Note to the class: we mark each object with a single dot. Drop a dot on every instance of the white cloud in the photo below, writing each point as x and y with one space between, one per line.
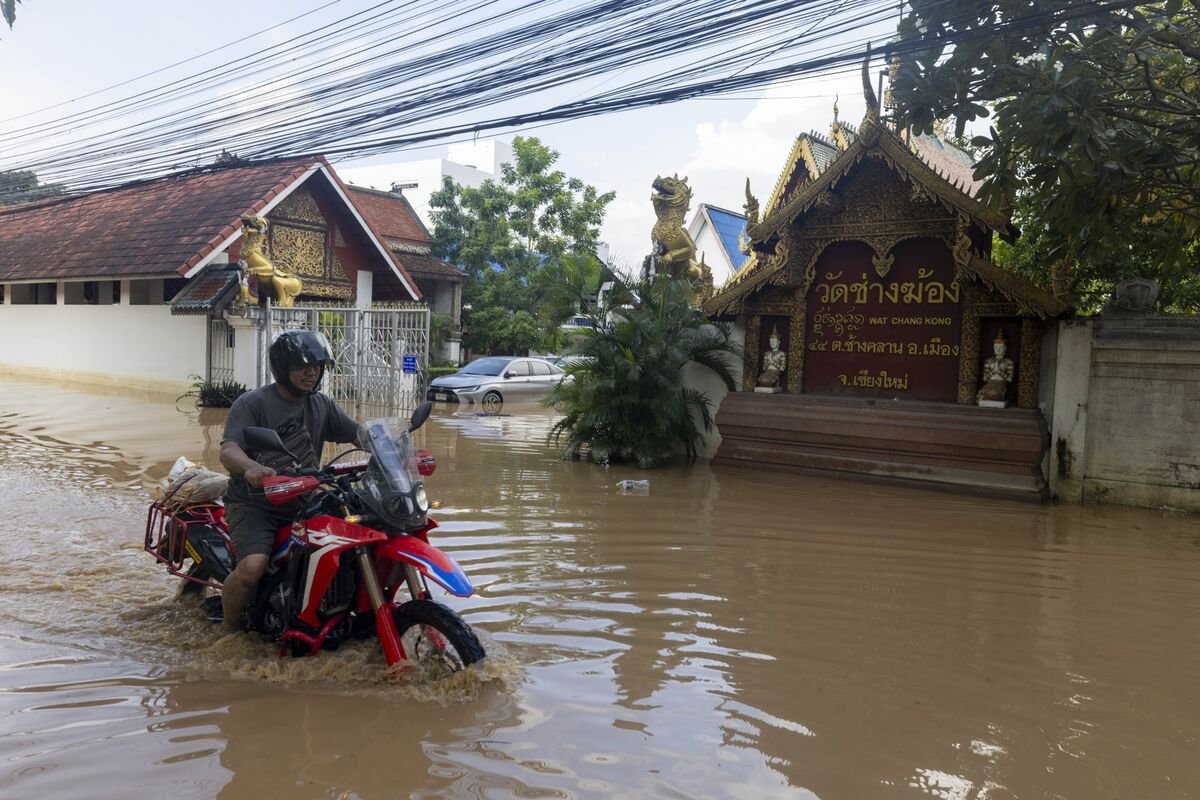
722 153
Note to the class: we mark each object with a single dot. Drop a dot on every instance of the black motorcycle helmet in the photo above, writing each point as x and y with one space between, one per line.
297 348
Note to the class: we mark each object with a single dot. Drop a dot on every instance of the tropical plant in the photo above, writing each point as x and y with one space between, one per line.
9 9
569 287
628 401
214 394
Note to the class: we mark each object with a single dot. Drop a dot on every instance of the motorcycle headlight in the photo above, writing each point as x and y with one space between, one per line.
422 500
400 506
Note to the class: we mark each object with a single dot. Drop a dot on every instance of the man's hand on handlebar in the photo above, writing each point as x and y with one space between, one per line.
255 473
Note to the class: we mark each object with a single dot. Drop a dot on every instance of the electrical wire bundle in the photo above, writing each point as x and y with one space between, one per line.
397 75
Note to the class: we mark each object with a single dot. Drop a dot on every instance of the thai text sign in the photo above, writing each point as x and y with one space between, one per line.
895 335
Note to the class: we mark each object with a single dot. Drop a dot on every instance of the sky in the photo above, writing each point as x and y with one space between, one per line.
57 52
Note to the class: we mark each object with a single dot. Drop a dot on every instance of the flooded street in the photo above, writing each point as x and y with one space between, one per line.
735 633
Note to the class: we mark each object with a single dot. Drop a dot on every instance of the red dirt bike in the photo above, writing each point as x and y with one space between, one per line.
355 562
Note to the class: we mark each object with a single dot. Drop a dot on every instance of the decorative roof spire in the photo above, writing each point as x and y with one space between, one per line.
751 206
868 91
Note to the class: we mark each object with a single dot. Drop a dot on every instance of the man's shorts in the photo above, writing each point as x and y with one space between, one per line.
253 529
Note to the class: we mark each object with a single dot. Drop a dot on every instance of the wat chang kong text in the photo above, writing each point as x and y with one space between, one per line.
895 335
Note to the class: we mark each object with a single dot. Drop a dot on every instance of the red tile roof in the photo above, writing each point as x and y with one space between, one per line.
164 226
423 265
390 214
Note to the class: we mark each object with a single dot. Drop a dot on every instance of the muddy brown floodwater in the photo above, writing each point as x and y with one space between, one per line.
735 633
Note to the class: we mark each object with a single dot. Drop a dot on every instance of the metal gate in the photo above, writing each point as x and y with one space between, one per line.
381 353
220 351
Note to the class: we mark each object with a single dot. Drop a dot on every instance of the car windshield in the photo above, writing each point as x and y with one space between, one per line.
485 366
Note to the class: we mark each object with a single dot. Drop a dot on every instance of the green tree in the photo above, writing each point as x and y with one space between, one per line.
627 400
508 234
1091 278
1094 125
23 186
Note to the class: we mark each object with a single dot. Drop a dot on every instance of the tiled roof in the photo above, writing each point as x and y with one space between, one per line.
207 293
824 153
389 213
164 226
729 226
947 160
953 164
423 265
393 217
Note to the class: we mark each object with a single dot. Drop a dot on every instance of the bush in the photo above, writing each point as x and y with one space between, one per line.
437 372
214 394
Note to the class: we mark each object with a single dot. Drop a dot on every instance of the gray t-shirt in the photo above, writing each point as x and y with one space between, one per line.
304 426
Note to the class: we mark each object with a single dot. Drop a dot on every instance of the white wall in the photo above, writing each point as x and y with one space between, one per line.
136 346
708 244
427 174
485 155
703 379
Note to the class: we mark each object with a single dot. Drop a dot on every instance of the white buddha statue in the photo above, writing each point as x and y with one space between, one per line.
774 363
997 374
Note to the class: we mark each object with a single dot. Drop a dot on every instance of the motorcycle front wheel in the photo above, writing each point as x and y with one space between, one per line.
434 636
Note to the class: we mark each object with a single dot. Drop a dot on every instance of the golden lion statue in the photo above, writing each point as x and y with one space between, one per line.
673 245
274 282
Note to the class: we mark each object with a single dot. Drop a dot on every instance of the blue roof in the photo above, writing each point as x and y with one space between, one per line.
728 225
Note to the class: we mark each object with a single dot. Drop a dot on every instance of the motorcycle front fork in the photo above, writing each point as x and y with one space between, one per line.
385 622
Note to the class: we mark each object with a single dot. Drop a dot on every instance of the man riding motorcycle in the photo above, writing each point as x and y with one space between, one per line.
305 420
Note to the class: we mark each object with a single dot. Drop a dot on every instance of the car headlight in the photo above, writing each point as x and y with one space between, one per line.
467 388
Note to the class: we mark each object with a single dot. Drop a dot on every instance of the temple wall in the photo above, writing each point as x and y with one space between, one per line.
1125 412
702 379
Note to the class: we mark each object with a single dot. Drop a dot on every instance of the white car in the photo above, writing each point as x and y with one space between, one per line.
492 381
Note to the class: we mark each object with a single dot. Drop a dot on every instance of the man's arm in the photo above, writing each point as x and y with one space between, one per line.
235 460
340 426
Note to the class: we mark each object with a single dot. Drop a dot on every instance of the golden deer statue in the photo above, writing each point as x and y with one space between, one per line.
274 282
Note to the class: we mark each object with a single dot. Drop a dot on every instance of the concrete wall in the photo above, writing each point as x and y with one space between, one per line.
703 379
130 345
1125 424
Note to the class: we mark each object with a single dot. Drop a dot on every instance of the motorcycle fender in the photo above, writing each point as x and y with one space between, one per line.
431 562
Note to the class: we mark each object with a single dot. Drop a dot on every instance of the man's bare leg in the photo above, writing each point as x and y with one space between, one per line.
236 591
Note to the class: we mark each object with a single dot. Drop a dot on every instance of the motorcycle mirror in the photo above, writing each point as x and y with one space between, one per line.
419 416
266 439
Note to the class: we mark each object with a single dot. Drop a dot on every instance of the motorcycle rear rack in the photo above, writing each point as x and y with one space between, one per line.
166 536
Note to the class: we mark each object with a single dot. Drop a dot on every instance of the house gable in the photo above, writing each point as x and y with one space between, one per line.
181 224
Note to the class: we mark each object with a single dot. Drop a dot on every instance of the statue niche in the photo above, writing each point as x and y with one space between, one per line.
674 251
275 282
998 372
774 363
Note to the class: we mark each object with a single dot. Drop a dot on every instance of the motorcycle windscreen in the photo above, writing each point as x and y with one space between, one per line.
391 485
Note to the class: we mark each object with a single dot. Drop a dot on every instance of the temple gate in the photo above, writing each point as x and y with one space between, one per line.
873 265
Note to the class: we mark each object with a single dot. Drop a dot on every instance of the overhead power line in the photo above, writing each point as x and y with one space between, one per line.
394 75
